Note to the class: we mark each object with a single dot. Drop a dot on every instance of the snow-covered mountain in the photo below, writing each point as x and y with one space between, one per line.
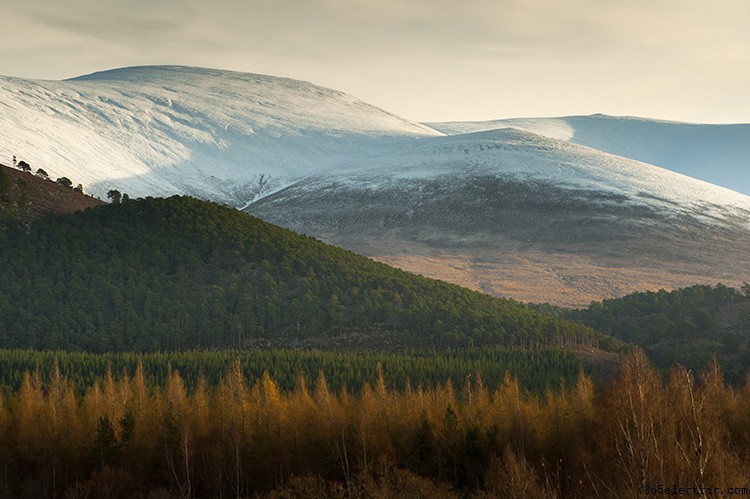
165 129
521 215
525 213
719 154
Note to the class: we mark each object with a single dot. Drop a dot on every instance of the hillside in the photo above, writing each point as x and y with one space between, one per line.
165 130
524 216
714 153
29 197
170 274
689 326
507 212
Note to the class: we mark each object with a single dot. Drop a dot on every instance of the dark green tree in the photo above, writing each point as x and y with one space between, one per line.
114 196
106 445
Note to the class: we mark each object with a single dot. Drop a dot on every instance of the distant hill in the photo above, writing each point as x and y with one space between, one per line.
714 153
28 197
689 326
178 273
208 133
520 215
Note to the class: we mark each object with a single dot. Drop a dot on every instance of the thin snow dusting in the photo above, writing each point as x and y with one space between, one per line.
528 157
719 154
554 128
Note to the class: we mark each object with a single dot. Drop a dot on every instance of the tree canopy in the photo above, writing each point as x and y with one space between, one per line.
689 325
155 274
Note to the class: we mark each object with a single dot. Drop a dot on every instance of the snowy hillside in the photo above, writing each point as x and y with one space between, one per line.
530 209
719 154
166 129
235 137
527 157
524 216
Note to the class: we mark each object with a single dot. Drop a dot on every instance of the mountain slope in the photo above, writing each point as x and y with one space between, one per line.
508 212
714 153
178 273
168 129
26 197
517 214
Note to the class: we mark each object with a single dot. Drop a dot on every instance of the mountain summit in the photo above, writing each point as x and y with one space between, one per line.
170 129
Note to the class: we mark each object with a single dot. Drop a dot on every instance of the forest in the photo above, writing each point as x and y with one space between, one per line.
247 436
178 348
170 274
690 325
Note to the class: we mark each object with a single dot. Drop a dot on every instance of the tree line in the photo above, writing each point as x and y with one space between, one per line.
40 172
535 370
243 437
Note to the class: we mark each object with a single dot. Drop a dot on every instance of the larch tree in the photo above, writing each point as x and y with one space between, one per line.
30 417
635 425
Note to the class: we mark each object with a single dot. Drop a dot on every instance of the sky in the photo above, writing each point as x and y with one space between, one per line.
426 60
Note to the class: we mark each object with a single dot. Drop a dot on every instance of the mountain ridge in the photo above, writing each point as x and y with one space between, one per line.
178 130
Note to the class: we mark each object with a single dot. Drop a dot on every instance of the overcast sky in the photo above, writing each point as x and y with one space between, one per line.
428 60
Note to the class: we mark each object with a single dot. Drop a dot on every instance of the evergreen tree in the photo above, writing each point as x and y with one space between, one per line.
114 196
